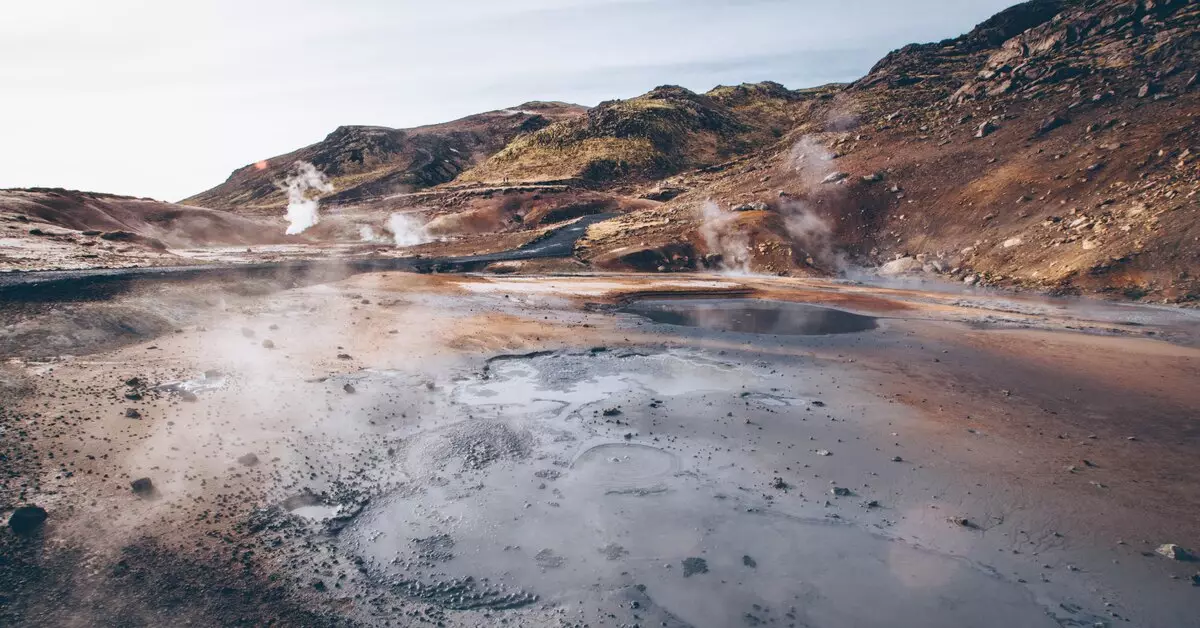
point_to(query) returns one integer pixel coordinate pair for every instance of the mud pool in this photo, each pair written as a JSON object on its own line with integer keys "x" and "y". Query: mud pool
{"x": 588, "y": 480}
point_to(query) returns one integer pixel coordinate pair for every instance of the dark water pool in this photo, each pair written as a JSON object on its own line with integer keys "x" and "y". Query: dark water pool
{"x": 751, "y": 316}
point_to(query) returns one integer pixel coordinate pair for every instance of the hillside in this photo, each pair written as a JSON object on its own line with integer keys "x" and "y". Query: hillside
{"x": 53, "y": 228}
{"x": 1052, "y": 147}
{"x": 364, "y": 162}
{"x": 648, "y": 137}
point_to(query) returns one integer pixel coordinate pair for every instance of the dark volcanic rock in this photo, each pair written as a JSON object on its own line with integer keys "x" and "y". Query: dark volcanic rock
{"x": 27, "y": 519}
{"x": 693, "y": 566}
{"x": 143, "y": 487}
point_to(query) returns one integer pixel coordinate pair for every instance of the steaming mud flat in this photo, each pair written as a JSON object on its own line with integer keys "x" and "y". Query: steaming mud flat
{"x": 556, "y": 451}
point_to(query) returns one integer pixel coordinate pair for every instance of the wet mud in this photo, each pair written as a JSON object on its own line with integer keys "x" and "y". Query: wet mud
{"x": 411, "y": 450}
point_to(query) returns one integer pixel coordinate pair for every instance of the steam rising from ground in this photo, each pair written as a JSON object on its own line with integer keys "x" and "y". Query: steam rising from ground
{"x": 723, "y": 237}
{"x": 408, "y": 230}
{"x": 812, "y": 234}
{"x": 303, "y": 188}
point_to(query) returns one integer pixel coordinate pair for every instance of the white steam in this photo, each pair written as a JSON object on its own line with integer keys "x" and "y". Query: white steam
{"x": 303, "y": 187}
{"x": 723, "y": 237}
{"x": 408, "y": 230}
{"x": 812, "y": 234}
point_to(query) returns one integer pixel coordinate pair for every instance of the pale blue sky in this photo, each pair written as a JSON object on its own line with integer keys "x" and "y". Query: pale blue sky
{"x": 164, "y": 98}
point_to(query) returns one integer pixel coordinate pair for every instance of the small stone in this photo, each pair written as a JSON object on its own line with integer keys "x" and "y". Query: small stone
{"x": 823, "y": 452}
{"x": 1174, "y": 552}
{"x": 247, "y": 332}
{"x": 268, "y": 344}
{"x": 897, "y": 459}
{"x": 27, "y": 519}
{"x": 132, "y": 413}
{"x": 749, "y": 562}
{"x": 693, "y": 566}
{"x": 840, "y": 491}
{"x": 834, "y": 177}
{"x": 248, "y": 460}
{"x": 985, "y": 129}
{"x": 142, "y": 487}
{"x": 349, "y": 388}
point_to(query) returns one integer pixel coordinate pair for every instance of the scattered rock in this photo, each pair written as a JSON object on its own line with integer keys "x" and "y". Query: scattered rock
{"x": 268, "y": 344}
{"x": 349, "y": 388}
{"x": 1174, "y": 552}
{"x": 27, "y": 519}
{"x": 901, "y": 266}
{"x": 693, "y": 566}
{"x": 897, "y": 459}
{"x": 132, "y": 413}
{"x": 840, "y": 491}
{"x": 612, "y": 412}
{"x": 756, "y": 206}
{"x": 986, "y": 128}
{"x": 143, "y": 487}
{"x": 749, "y": 562}
{"x": 1049, "y": 124}
{"x": 963, "y": 522}
{"x": 248, "y": 460}
{"x": 835, "y": 177}
{"x": 247, "y": 332}
{"x": 612, "y": 551}
{"x": 547, "y": 559}
{"x": 779, "y": 484}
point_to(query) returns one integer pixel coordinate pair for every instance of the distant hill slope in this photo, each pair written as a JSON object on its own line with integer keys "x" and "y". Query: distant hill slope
{"x": 1054, "y": 146}
{"x": 364, "y": 162}
{"x": 651, "y": 136}
{"x": 169, "y": 223}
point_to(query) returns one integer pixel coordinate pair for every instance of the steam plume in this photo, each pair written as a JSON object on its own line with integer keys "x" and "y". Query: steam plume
{"x": 303, "y": 188}
{"x": 408, "y": 230}
{"x": 722, "y": 236}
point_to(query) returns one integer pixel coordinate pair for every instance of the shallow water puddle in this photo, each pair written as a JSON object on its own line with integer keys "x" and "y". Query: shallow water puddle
{"x": 751, "y": 316}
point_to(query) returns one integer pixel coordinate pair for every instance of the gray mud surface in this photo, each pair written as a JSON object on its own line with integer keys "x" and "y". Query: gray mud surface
{"x": 447, "y": 456}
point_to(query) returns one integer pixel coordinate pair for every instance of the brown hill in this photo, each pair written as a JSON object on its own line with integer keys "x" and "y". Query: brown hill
{"x": 365, "y": 162}
{"x": 56, "y": 228}
{"x": 1053, "y": 147}
{"x": 648, "y": 137}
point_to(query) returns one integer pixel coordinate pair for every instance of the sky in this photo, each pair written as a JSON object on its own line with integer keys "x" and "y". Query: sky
{"x": 165, "y": 98}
